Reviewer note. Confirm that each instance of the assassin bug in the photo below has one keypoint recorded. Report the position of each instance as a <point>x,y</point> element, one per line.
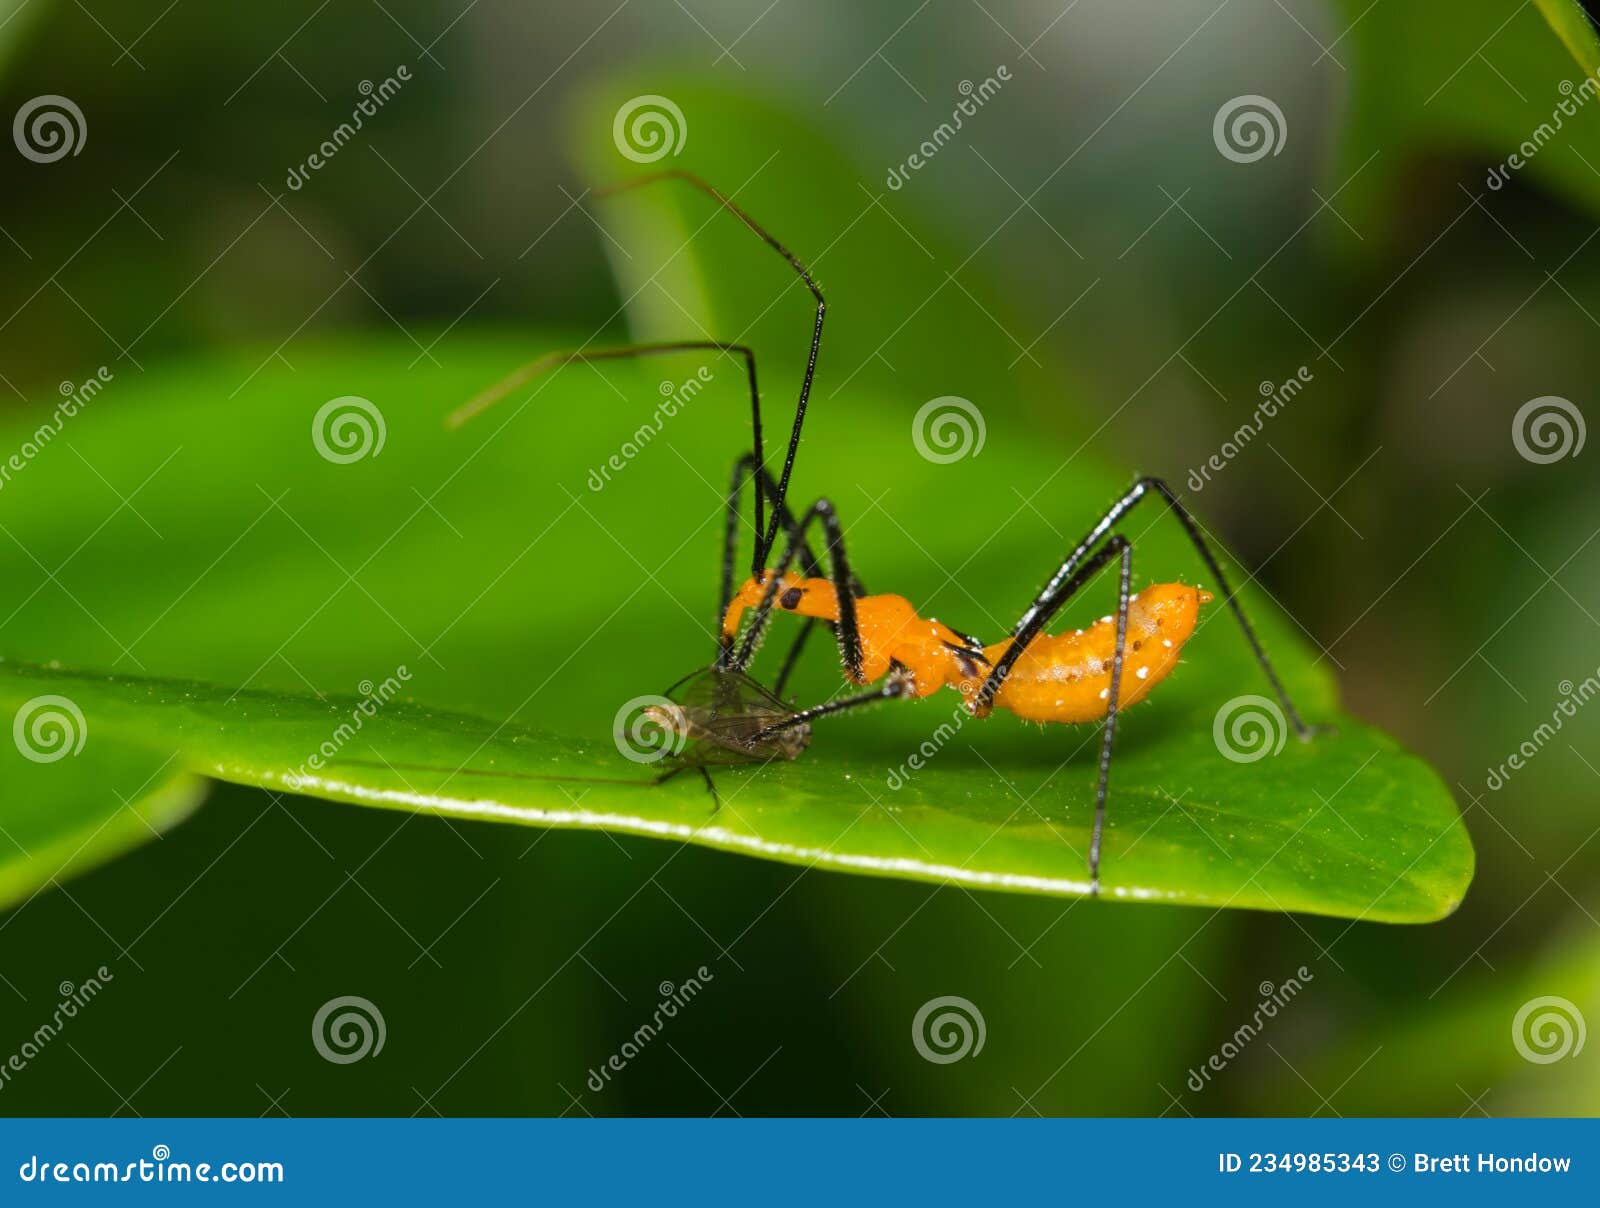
<point>1085,675</point>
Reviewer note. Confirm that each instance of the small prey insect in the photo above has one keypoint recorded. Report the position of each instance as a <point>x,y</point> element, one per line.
<point>1087,675</point>
<point>721,716</point>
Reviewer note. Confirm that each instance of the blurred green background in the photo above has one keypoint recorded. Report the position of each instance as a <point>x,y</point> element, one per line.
<point>1083,262</point>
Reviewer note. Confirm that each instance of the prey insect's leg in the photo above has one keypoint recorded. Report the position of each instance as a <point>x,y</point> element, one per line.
<point>711,787</point>
<point>896,687</point>
<point>844,585</point>
<point>1038,613</point>
<point>766,539</point>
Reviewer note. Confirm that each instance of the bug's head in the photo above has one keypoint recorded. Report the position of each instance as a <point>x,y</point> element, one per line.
<point>723,716</point>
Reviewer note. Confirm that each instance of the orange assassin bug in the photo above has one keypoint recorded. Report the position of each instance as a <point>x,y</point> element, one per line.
<point>1086,675</point>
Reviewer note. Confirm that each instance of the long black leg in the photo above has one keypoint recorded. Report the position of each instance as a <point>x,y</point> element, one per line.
<point>521,376</point>
<point>844,584</point>
<point>793,657</point>
<point>764,540</point>
<point>1116,546</point>
<point>896,687</point>
<point>1113,703</point>
<point>746,468</point>
<point>1038,613</point>
<point>1048,606</point>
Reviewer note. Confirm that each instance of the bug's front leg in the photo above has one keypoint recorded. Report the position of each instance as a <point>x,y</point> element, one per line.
<point>898,686</point>
<point>846,587</point>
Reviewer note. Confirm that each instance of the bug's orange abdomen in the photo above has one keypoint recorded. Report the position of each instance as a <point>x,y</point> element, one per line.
<point>1067,677</point>
<point>1061,678</point>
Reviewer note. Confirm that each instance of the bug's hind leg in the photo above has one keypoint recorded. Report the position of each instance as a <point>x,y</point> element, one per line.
<point>1047,605</point>
<point>1108,735</point>
<point>1039,612</point>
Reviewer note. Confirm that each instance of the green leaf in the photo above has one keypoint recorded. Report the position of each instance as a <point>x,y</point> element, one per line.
<point>1518,1029</point>
<point>1219,835</point>
<point>1485,79</point>
<point>1575,29</point>
<point>526,577</point>
<point>64,813</point>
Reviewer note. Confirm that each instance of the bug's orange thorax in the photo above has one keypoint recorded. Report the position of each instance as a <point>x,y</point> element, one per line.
<point>891,630</point>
